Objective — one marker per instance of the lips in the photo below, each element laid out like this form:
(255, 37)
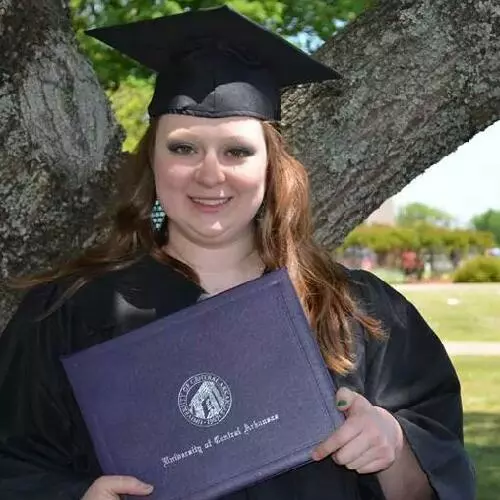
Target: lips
(210, 202)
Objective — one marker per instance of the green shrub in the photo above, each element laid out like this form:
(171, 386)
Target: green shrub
(478, 270)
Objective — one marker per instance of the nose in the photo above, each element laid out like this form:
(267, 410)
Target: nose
(210, 172)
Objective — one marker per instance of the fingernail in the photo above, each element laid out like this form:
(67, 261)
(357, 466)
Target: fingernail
(148, 487)
(341, 403)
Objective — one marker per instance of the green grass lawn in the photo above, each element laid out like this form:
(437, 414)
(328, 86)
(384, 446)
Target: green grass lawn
(480, 378)
(472, 314)
(460, 312)
(392, 276)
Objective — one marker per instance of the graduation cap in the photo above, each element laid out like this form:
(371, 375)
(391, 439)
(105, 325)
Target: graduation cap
(214, 63)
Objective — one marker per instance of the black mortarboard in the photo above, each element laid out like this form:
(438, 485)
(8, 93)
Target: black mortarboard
(214, 63)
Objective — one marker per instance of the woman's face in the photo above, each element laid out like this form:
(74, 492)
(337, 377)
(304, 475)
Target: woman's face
(210, 175)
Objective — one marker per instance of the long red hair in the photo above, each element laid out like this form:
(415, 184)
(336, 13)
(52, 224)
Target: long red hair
(284, 237)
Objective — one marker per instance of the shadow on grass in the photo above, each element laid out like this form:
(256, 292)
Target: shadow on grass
(482, 440)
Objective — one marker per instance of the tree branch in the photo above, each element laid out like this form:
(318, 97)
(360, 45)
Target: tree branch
(421, 78)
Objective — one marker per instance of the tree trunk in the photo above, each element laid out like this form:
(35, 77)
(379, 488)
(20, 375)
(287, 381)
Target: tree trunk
(421, 78)
(58, 141)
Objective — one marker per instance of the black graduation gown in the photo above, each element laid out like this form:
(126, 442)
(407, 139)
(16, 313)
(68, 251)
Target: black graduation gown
(45, 450)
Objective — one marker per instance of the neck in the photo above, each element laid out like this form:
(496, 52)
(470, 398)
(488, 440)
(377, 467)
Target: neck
(212, 259)
(218, 268)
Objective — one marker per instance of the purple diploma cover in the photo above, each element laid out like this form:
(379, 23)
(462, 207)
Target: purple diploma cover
(213, 398)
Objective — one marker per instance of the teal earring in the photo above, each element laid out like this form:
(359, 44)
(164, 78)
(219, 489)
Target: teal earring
(157, 216)
(260, 212)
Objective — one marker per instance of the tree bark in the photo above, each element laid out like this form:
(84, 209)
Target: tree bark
(58, 142)
(421, 78)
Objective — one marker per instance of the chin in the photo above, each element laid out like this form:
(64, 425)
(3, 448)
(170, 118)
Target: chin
(212, 236)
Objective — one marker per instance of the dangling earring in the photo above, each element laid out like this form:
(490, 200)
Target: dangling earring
(157, 216)
(260, 212)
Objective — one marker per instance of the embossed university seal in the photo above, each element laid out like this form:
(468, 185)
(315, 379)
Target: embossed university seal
(204, 399)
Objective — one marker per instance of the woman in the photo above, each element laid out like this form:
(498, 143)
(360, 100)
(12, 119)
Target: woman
(236, 205)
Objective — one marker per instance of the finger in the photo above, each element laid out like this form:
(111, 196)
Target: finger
(364, 459)
(344, 398)
(124, 485)
(374, 466)
(352, 451)
(345, 433)
(351, 402)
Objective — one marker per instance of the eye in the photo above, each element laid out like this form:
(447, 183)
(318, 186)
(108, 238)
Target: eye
(181, 149)
(240, 152)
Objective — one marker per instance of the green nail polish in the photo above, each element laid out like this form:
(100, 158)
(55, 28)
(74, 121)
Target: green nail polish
(341, 403)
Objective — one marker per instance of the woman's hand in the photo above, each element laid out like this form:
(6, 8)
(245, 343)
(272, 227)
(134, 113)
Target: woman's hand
(368, 441)
(111, 487)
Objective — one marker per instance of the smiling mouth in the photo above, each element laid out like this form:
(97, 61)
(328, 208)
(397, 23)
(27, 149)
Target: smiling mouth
(211, 202)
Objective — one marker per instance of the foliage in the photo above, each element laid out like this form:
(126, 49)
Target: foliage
(480, 239)
(481, 269)
(318, 19)
(489, 221)
(382, 239)
(415, 214)
(127, 102)
(458, 239)
(128, 85)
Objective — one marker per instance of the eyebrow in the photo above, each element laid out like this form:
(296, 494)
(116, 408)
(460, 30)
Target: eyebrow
(238, 138)
(186, 135)
(181, 135)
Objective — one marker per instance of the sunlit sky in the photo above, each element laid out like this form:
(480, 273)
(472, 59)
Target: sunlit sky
(465, 183)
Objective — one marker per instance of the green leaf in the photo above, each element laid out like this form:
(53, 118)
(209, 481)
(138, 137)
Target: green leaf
(128, 103)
